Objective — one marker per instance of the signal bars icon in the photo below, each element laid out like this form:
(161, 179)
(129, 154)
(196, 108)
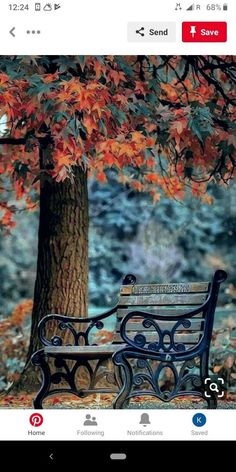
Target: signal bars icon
(193, 7)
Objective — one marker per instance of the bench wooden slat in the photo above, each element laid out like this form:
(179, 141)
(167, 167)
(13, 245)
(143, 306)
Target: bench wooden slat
(162, 299)
(121, 312)
(196, 325)
(148, 289)
(104, 349)
(192, 338)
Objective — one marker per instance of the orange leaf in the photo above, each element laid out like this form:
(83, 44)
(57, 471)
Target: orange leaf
(137, 185)
(63, 160)
(116, 76)
(89, 124)
(152, 178)
(150, 162)
(7, 219)
(109, 159)
(170, 91)
(101, 176)
(3, 79)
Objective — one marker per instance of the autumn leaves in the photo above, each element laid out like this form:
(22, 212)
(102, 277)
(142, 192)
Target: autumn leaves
(161, 124)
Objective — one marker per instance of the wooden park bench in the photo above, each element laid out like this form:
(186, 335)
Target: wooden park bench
(154, 328)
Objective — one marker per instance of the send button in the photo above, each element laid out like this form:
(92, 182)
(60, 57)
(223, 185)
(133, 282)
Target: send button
(151, 31)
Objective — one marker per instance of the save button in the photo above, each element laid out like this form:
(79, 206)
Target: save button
(204, 32)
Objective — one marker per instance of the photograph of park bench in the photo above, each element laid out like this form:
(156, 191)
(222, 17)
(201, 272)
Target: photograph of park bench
(118, 226)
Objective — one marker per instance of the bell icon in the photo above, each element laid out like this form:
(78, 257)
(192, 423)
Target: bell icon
(144, 420)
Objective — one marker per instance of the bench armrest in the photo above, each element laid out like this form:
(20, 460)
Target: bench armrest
(60, 323)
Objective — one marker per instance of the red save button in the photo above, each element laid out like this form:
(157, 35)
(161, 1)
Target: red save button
(204, 31)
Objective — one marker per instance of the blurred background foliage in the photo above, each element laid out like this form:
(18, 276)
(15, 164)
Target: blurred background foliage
(166, 241)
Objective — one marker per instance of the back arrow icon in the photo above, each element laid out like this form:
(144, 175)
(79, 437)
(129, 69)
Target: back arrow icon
(12, 31)
(51, 457)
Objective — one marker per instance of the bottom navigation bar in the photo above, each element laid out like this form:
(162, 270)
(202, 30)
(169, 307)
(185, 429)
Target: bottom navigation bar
(99, 425)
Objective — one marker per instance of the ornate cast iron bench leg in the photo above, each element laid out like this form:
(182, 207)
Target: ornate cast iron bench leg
(38, 360)
(212, 400)
(127, 376)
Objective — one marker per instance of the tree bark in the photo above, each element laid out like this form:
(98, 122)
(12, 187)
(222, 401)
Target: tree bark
(62, 267)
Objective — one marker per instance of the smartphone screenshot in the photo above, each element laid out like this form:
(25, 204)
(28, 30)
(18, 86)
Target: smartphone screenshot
(118, 228)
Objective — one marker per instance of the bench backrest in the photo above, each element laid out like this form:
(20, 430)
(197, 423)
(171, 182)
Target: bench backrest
(169, 303)
(161, 317)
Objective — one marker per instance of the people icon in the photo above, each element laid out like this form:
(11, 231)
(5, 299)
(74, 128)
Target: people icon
(90, 421)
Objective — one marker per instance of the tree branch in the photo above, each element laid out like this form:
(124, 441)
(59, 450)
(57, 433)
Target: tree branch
(13, 141)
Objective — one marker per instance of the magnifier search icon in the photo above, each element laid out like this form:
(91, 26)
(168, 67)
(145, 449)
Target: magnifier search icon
(214, 387)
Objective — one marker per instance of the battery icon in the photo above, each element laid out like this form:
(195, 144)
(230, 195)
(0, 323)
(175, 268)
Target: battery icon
(225, 6)
(37, 6)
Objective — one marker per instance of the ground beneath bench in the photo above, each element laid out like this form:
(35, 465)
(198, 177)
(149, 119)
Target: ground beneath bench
(104, 401)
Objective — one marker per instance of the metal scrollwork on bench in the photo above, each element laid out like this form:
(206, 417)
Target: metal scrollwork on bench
(65, 323)
(147, 379)
(161, 345)
(165, 338)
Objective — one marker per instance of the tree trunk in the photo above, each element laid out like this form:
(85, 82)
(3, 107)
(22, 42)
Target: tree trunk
(62, 268)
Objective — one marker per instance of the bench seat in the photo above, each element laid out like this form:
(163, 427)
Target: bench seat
(81, 351)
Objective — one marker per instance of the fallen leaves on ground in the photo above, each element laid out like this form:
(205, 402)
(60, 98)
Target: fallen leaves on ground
(104, 401)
